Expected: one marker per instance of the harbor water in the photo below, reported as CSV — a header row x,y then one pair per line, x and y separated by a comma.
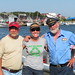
x,y
24,30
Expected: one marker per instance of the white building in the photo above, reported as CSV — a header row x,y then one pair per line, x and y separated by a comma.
x,y
52,15
12,18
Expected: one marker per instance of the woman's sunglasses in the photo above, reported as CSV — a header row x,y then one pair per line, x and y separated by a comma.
x,y
35,29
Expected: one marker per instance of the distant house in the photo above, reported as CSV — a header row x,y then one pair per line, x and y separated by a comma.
x,y
12,18
52,15
1,19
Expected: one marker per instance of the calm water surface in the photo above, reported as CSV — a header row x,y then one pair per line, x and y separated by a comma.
x,y
24,30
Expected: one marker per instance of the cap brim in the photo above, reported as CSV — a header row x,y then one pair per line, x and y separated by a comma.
x,y
51,24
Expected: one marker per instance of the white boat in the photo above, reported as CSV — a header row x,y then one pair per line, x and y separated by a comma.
x,y
3,25
28,23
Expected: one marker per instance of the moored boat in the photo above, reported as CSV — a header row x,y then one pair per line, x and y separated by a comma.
x,y
3,25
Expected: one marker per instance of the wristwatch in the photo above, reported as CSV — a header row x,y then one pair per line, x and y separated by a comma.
x,y
74,56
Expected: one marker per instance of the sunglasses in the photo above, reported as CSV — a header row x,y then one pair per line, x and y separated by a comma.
x,y
35,29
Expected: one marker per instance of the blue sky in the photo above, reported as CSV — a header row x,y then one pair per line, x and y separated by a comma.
x,y
63,7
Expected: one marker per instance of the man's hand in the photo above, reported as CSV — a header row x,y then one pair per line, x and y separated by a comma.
x,y
42,35
71,62
26,39
1,73
72,47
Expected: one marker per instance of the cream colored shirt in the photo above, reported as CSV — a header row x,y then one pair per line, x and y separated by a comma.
x,y
11,52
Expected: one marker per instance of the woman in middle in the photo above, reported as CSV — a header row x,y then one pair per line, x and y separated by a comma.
x,y
34,49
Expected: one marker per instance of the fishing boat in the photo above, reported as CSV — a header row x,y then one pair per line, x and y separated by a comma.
x,y
3,25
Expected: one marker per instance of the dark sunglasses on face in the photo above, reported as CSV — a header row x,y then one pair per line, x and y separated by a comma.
x,y
35,29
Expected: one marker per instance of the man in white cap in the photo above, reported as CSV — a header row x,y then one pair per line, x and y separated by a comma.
x,y
59,42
